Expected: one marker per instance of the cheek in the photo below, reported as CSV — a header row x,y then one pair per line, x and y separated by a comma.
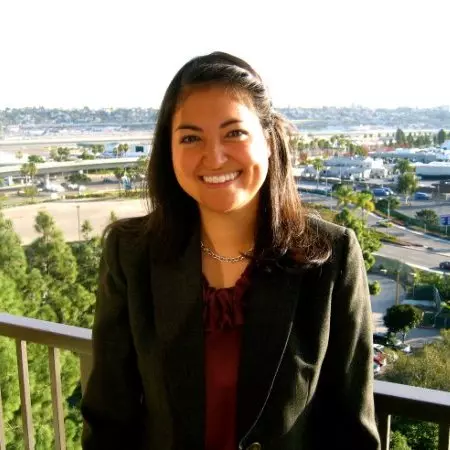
x,y
184,162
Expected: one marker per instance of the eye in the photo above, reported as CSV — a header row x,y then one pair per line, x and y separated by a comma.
x,y
189,139
237,133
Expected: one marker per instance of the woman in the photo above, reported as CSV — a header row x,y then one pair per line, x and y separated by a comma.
x,y
228,317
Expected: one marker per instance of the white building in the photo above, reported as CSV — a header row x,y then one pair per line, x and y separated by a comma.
x,y
354,167
423,155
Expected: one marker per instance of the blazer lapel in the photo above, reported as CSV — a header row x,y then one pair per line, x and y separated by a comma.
x,y
178,310
271,307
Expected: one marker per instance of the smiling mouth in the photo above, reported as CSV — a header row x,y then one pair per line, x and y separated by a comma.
x,y
218,179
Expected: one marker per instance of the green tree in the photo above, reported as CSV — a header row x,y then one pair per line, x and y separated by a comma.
x,y
86,229
30,191
35,159
374,288
318,165
29,170
428,368
142,166
113,217
119,173
49,253
403,166
441,137
407,184
345,195
9,387
400,137
363,201
88,255
398,441
368,240
402,318
388,204
85,155
13,262
429,216
60,154
78,178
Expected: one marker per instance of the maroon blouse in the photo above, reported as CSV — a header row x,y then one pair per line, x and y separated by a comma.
x,y
223,316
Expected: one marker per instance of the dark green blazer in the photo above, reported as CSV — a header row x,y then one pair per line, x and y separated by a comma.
x,y
306,372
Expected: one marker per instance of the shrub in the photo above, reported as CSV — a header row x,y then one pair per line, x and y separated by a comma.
x,y
374,288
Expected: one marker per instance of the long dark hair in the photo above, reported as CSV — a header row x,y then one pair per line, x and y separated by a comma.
x,y
282,226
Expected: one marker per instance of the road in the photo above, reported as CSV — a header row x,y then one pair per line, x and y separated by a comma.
x,y
430,251
97,212
386,298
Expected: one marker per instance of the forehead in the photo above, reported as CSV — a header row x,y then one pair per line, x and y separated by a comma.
x,y
209,102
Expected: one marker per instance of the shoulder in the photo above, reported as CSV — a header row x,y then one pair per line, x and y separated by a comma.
x,y
126,237
342,240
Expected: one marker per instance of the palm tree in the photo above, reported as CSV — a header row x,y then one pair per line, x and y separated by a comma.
x,y
32,170
125,149
29,170
318,165
119,173
345,196
363,200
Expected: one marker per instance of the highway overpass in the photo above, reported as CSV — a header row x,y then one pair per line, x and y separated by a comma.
x,y
71,166
53,141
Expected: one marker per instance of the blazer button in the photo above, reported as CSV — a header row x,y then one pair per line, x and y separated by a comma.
x,y
254,446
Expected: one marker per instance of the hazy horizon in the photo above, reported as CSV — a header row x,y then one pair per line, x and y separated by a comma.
x,y
101,54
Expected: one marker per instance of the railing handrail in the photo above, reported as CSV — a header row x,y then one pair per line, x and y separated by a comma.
x,y
414,402
66,337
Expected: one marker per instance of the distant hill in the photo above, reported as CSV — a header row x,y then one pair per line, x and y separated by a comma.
x,y
304,118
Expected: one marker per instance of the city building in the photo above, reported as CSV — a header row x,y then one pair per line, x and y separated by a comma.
x,y
134,150
354,167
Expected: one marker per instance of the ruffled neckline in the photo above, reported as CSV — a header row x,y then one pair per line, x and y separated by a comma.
x,y
223,308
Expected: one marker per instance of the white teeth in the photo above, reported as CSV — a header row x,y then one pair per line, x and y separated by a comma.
x,y
216,179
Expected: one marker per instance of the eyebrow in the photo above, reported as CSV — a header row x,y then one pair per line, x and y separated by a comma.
x,y
188,126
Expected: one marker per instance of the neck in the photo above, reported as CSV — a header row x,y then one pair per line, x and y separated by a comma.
x,y
229,234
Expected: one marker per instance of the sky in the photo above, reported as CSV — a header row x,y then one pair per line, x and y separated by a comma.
x,y
108,53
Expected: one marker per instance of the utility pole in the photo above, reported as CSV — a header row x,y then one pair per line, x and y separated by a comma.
x,y
397,291
79,225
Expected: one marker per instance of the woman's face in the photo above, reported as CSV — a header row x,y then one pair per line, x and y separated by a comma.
x,y
220,154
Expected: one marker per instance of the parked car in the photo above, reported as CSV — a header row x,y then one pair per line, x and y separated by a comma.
x,y
382,192
390,355
444,265
379,358
394,343
422,196
376,368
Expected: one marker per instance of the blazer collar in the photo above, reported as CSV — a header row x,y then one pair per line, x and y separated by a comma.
x,y
178,307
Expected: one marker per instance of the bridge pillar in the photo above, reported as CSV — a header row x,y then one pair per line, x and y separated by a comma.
x,y
9,180
47,179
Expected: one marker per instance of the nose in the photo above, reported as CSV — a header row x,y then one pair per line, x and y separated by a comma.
x,y
214,155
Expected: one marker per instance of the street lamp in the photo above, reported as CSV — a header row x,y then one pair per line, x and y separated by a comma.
x,y
79,225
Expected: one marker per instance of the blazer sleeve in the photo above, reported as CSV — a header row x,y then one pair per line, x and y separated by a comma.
x,y
112,406
347,382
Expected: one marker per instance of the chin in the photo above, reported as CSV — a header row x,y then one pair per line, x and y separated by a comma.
x,y
225,207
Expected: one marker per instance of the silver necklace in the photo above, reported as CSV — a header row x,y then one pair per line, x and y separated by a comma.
x,y
221,258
